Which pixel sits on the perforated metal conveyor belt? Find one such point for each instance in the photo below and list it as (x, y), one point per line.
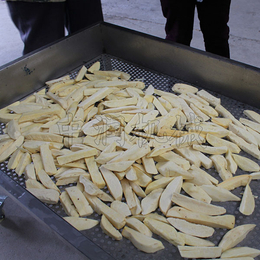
(124, 249)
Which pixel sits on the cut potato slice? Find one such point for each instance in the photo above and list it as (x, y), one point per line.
(48, 196)
(113, 184)
(196, 192)
(165, 201)
(109, 229)
(67, 205)
(142, 242)
(80, 202)
(235, 236)
(247, 205)
(166, 231)
(197, 206)
(121, 207)
(235, 182)
(191, 228)
(182, 88)
(199, 252)
(209, 149)
(246, 164)
(224, 221)
(81, 223)
(196, 241)
(139, 226)
(219, 194)
(151, 202)
(240, 252)
(161, 183)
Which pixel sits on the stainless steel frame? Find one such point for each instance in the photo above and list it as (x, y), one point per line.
(23, 76)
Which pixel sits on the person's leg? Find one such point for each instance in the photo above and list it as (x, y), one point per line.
(82, 13)
(214, 16)
(38, 23)
(179, 16)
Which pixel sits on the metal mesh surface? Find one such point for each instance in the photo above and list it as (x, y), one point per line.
(124, 249)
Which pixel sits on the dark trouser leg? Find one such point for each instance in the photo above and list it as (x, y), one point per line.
(82, 13)
(179, 16)
(214, 16)
(38, 23)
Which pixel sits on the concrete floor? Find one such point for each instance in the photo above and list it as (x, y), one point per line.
(22, 236)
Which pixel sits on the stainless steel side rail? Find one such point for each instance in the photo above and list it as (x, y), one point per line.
(45, 215)
(2, 200)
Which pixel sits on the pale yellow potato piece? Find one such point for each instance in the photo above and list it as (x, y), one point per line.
(182, 88)
(166, 231)
(94, 67)
(252, 115)
(238, 252)
(81, 74)
(255, 126)
(196, 192)
(246, 164)
(171, 156)
(67, 205)
(199, 252)
(48, 196)
(55, 86)
(74, 156)
(224, 122)
(102, 93)
(13, 129)
(197, 206)
(14, 159)
(165, 201)
(47, 159)
(94, 172)
(24, 161)
(109, 229)
(243, 133)
(80, 202)
(129, 194)
(149, 165)
(151, 202)
(30, 183)
(235, 182)
(231, 164)
(81, 223)
(226, 114)
(171, 169)
(188, 154)
(219, 194)
(201, 177)
(224, 221)
(159, 107)
(11, 148)
(220, 164)
(200, 115)
(251, 149)
(61, 101)
(29, 172)
(212, 100)
(118, 166)
(247, 205)
(46, 181)
(255, 175)
(142, 242)
(209, 149)
(115, 218)
(47, 137)
(89, 186)
(137, 189)
(112, 182)
(235, 236)
(121, 207)
(192, 229)
(206, 162)
(142, 178)
(139, 226)
(196, 241)
(130, 174)
(37, 161)
(161, 183)
(216, 141)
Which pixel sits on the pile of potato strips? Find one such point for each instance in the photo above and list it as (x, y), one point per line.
(102, 143)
